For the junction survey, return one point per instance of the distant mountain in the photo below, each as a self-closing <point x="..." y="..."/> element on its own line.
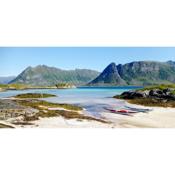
<point x="6" y="80"/>
<point x="109" y="76"/>
<point x="136" y="73"/>
<point x="171" y="62"/>
<point x="47" y="76"/>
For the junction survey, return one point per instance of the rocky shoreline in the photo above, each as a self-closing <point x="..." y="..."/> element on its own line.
<point x="25" y="111"/>
<point x="163" y="97"/>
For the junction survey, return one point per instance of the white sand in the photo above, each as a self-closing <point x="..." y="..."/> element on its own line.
<point x="60" y="122"/>
<point x="158" y="118"/>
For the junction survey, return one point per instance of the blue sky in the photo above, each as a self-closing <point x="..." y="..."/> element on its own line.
<point x="15" y="60"/>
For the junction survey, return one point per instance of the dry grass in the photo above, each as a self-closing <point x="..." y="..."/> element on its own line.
<point x="44" y="112"/>
<point x="34" y="95"/>
<point x="38" y="103"/>
<point x="152" y="102"/>
<point x="5" y="126"/>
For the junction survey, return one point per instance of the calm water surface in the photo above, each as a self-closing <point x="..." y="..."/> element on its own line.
<point x="93" y="100"/>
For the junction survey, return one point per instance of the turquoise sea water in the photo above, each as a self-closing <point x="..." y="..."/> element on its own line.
<point x="92" y="99"/>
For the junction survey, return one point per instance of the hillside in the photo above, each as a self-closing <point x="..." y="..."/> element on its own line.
<point x="137" y="73"/>
<point x="47" y="76"/>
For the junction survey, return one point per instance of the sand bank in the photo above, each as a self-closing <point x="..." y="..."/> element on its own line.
<point x="158" y="118"/>
<point x="61" y="122"/>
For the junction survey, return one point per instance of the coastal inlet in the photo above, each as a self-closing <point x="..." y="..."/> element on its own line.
<point x="91" y="100"/>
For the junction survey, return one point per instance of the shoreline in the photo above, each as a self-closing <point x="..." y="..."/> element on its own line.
<point x="160" y="117"/>
<point x="33" y="112"/>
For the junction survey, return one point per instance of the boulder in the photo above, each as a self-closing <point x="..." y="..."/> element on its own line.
<point x="166" y="91"/>
<point x="133" y="94"/>
<point x="157" y="94"/>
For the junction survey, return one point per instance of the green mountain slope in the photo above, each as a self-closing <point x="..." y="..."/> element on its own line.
<point x="47" y="76"/>
<point x="137" y="73"/>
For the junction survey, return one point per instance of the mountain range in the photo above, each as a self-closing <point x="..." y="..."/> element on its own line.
<point x="6" y="80"/>
<point x="136" y="73"/>
<point x="43" y="75"/>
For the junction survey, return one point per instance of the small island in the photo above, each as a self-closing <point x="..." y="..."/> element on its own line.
<point x="157" y="96"/>
<point x="65" y="86"/>
<point x="34" y="95"/>
<point x="4" y="87"/>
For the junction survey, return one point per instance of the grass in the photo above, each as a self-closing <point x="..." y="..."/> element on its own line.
<point x="3" y="86"/>
<point x="152" y="102"/>
<point x="160" y="87"/>
<point x="39" y="104"/>
<point x="13" y="86"/>
<point x="23" y="87"/>
<point x="64" y="85"/>
<point x="42" y="106"/>
<point x="34" y="95"/>
<point x="75" y="115"/>
<point x="173" y="92"/>
<point x="67" y="115"/>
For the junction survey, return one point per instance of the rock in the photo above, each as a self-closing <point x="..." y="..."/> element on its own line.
<point x="134" y="94"/>
<point x="157" y="94"/>
<point x="162" y="94"/>
<point x="127" y="95"/>
<point x="139" y="94"/>
<point x="166" y="91"/>
<point x="170" y="97"/>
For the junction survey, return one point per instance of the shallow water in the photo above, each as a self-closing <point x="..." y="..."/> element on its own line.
<point x="93" y="100"/>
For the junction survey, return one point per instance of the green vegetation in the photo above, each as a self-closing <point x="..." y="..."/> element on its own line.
<point x="40" y="104"/>
<point x="66" y="115"/>
<point x="160" y="87"/>
<point x="152" y="102"/>
<point x="162" y="95"/>
<point x="23" y="87"/>
<point x="3" y="86"/>
<point x="173" y="92"/>
<point x="49" y="76"/>
<point x="34" y="95"/>
<point x="13" y="86"/>
<point x="43" y="106"/>
<point x="33" y="109"/>
<point x="75" y="115"/>
<point x="139" y="73"/>
<point x="64" y="85"/>
<point x="17" y="86"/>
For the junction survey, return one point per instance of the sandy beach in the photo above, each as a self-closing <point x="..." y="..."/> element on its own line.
<point x="158" y="118"/>
<point x="61" y="122"/>
<point x="93" y="106"/>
